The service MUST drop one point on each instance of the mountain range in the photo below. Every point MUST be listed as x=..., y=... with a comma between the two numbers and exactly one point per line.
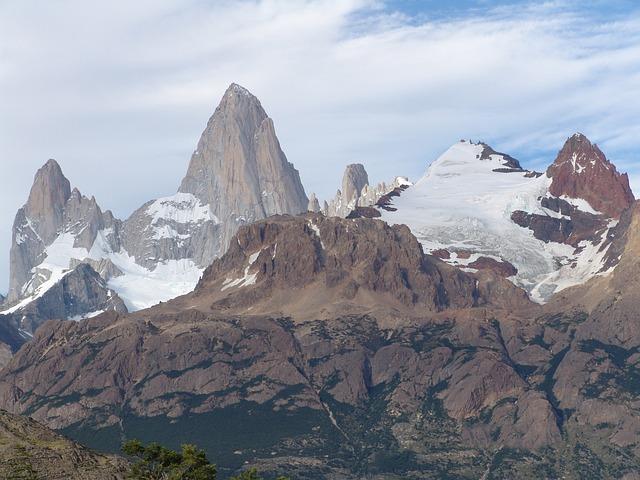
x=478, y=323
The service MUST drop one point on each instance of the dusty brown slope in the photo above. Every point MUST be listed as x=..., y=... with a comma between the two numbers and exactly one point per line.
x=30, y=450
x=372, y=355
x=318, y=330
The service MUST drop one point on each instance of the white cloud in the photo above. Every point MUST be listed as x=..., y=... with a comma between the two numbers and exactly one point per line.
x=124, y=89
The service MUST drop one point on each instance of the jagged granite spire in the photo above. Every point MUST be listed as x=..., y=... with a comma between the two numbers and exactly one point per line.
x=53, y=214
x=239, y=169
x=36, y=224
x=581, y=170
x=47, y=198
x=356, y=191
x=314, y=203
x=355, y=178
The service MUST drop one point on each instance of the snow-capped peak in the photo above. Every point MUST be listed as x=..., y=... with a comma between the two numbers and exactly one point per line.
x=466, y=202
x=466, y=158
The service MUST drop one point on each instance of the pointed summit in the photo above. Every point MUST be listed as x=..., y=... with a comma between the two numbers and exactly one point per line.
x=581, y=170
x=353, y=182
x=49, y=193
x=239, y=168
x=314, y=203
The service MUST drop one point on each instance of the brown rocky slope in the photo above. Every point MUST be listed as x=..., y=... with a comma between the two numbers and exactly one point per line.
x=416, y=370
x=29, y=450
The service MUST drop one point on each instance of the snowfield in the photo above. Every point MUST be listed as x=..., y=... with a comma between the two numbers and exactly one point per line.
x=139, y=287
x=461, y=203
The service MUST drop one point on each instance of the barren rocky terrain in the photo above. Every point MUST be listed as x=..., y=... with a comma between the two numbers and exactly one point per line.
x=416, y=370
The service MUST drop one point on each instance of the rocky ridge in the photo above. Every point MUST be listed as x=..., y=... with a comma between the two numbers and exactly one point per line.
x=413, y=368
x=238, y=174
x=472, y=198
x=356, y=192
x=417, y=356
x=581, y=170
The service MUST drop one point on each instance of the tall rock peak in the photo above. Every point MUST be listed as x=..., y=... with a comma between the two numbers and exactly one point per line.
x=239, y=169
x=52, y=210
x=37, y=223
x=48, y=195
x=356, y=192
x=314, y=203
x=354, y=180
x=581, y=170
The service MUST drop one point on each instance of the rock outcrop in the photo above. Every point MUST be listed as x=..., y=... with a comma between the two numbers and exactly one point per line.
x=314, y=204
x=338, y=265
x=29, y=450
x=11, y=338
x=582, y=171
x=353, y=182
x=356, y=194
x=80, y=293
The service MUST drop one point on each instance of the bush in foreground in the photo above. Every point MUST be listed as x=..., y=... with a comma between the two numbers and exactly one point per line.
x=155, y=462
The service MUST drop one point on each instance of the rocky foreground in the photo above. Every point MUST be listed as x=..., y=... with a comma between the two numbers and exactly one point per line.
x=28, y=450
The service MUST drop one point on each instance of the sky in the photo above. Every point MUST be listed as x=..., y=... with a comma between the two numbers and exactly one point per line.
x=118, y=92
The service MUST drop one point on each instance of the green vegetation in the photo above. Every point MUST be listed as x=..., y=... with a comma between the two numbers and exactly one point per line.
x=155, y=462
x=22, y=468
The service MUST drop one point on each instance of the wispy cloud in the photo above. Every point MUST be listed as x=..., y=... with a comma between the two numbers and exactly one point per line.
x=123, y=89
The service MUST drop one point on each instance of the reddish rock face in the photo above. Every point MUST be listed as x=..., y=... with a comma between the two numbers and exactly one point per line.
x=581, y=170
x=502, y=269
x=441, y=253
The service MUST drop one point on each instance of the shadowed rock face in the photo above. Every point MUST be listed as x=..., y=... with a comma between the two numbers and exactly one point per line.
x=80, y=292
x=581, y=170
x=30, y=450
x=11, y=339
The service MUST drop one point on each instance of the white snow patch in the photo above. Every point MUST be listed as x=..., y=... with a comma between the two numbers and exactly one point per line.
x=247, y=279
x=403, y=181
x=462, y=204
x=77, y=318
x=24, y=334
x=316, y=230
x=182, y=208
x=142, y=288
x=581, y=204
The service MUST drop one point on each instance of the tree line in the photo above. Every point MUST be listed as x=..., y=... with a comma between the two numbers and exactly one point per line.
x=155, y=462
